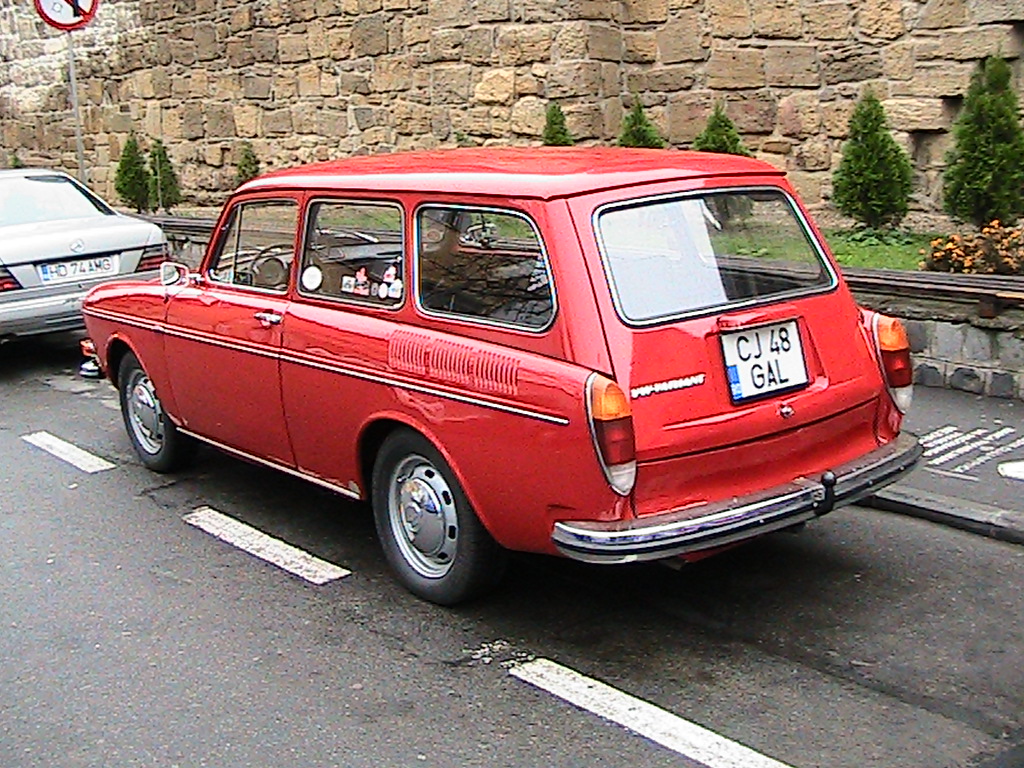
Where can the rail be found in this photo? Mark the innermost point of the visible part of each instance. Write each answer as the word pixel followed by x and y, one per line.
pixel 991 294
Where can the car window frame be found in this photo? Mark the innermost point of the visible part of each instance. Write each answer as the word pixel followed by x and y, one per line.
pixel 351 299
pixel 808 231
pixel 476 319
pixel 222 234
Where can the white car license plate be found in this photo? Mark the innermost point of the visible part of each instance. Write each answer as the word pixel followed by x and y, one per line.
pixel 762 360
pixel 80 269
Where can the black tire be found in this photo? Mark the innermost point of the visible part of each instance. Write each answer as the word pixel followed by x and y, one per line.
pixel 157 441
pixel 432 538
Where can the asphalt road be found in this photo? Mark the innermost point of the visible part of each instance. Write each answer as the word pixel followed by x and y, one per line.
pixel 130 638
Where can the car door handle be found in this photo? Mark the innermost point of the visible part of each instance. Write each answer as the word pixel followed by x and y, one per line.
pixel 268 318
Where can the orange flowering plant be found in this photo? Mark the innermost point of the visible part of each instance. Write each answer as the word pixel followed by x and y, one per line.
pixel 996 250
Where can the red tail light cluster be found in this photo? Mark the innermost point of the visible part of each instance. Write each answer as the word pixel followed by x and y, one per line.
pixel 7 281
pixel 152 257
pixel 893 349
pixel 611 424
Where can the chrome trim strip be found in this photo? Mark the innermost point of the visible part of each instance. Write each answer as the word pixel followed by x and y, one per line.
pixel 677 532
pixel 560 420
pixel 323 366
pixel 273 465
pixel 106 314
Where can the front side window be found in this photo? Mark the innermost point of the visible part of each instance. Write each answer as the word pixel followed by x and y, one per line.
pixel 673 257
pixel 483 264
pixel 259 246
pixel 354 251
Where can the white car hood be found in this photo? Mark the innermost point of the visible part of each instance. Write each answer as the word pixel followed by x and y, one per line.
pixel 74 238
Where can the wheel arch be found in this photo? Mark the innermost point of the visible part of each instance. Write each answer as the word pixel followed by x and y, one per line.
pixel 376 431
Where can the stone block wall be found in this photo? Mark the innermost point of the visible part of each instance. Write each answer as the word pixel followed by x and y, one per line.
pixel 953 346
pixel 307 80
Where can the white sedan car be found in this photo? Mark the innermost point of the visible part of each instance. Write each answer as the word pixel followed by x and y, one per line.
pixel 57 240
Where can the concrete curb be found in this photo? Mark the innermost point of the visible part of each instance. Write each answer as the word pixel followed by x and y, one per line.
pixel 994 522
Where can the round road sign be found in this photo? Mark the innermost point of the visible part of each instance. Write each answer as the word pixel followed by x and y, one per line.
pixel 67 14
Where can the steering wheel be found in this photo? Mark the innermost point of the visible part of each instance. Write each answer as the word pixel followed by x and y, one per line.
pixel 269 269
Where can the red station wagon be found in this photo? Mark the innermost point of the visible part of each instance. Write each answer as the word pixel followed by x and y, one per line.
pixel 611 354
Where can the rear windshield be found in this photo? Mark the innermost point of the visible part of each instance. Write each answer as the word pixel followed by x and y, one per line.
pixel 690 255
pixel 45 197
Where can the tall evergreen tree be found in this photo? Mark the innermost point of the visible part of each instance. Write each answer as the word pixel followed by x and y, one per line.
pixel 638 130
pixel 132 179
pixel 873 181
pixel 556 133
pixel 985 169
pixel 720 135
pixel 164 191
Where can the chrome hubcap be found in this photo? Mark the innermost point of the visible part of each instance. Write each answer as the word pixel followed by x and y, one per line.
pixel 421 510
pixel 144 414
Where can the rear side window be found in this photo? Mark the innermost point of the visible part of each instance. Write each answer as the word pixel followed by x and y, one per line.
pixel 668 258
pixel 353 251
pixel 483 264
pixel 259 246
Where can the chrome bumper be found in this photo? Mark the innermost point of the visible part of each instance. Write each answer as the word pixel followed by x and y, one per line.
pixel 737 519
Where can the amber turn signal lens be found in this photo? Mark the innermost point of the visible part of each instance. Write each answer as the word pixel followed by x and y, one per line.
pixel 607 401
pixel 892 336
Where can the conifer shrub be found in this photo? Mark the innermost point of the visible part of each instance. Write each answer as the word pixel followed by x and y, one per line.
pixel 985 169
pixel 248 164
pixel 132 179
pixel 15 161
pixel 638 130
pixel 873 181
pixel 164 191
pixel 720 135
pixel 556 133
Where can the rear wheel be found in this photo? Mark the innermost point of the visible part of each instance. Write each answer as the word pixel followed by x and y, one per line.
pixel 431 536
pixel 156 439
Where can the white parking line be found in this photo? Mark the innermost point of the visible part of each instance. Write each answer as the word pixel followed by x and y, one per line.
pixel 64 450
pixel 274 551
pixel 688 739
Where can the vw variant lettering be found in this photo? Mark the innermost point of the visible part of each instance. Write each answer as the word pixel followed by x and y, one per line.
pixel 612 355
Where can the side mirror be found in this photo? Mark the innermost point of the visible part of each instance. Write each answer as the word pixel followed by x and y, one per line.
pixel 172 273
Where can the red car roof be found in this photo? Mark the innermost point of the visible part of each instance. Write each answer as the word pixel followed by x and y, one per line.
pixel 541 172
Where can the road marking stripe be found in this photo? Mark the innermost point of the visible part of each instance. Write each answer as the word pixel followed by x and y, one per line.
pixel 993 454
pixel 687 739
pixel 946 445
pixel 255 542
pixel 951 473
pixel 64 450
pixel 982 444
pixel 935 434
pixel 1012 469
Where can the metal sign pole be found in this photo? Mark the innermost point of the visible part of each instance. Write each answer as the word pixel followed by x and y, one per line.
pixel 83 174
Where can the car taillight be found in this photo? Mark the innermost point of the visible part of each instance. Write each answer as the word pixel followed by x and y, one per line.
pixel 894 358
pixel 7 281
pixel 152 257
pixel 611 425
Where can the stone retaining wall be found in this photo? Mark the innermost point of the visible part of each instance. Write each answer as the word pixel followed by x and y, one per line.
pixel 307 80
pixel 953 347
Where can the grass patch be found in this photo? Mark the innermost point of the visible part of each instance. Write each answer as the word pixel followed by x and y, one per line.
pixel 890 250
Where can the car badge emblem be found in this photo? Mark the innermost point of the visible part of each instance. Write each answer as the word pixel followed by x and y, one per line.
pixel 786 410
pixel 77 246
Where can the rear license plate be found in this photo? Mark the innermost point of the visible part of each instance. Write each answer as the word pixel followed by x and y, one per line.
pixel 80 269
pixel 763 360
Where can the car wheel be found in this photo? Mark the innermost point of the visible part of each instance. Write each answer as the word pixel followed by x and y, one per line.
pixel 431 536
pixel 156 439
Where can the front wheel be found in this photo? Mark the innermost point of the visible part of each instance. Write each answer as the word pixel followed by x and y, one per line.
pixel 431 536
pixel 156 439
